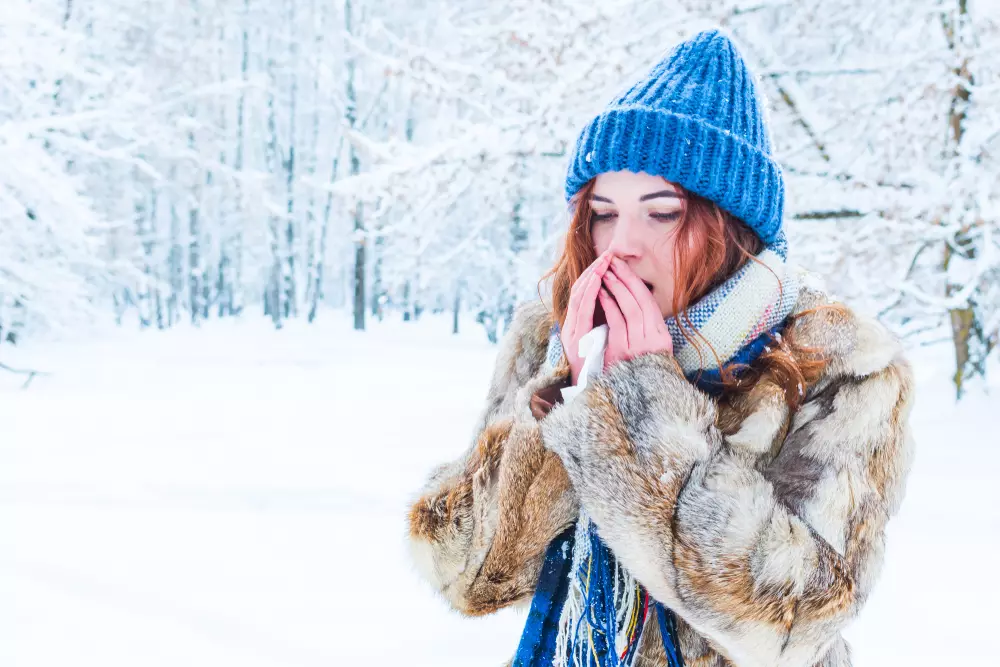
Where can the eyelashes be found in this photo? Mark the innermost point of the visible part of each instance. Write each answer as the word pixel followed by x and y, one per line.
pixel 598 217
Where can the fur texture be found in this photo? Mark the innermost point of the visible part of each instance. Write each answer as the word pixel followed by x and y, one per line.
pixel 764 532
pixel 479 530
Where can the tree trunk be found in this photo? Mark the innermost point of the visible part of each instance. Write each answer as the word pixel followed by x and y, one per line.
pixel 143 216
pixel 963 318
pixel 407 315
pixel 153 273
pixel 311 220
pixel 289 295
pixel 317 290
pixel 359 228
pixel 194 248
pixel 175 261
pixel 272 294
pixel 235 244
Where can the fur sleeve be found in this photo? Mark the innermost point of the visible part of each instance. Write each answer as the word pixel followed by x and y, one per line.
pixel 767 564
pixel 479 528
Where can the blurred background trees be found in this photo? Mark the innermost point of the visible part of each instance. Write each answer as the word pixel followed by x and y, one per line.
pixel 178 162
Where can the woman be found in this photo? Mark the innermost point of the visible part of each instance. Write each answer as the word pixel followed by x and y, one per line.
pixel 708 478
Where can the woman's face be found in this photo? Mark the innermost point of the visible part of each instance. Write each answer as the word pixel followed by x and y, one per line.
pixel 637 217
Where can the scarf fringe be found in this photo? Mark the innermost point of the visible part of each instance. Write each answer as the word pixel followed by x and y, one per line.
pixel 601 622
pixel 573 609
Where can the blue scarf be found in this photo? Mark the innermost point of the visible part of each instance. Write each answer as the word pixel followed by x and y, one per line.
pixel 739 319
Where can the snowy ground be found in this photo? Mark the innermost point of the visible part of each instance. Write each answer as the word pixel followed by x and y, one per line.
pixel 237 496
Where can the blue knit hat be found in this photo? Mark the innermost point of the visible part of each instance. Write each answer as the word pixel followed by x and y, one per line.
pixel 695 120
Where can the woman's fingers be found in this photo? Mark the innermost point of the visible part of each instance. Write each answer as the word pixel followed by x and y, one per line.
pixel 580 311
pixel 573 307
pixel 587 303
pixel 598 266
pixel 630 309
pixel 617 329
pixel 652 317
pixel 580 287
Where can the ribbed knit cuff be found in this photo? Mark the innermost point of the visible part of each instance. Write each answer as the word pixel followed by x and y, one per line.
pixel 703 159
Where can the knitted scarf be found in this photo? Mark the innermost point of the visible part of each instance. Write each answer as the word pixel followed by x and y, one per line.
pixel 588 611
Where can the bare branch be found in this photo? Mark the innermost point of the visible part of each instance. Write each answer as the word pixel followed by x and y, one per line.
pixel 29 372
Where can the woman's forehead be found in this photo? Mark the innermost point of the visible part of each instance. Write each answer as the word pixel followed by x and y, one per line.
pixel 630 185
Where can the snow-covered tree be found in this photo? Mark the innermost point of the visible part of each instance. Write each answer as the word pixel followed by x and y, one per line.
pixel 214 158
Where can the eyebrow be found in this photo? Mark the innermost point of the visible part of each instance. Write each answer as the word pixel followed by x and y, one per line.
pixel 651 195
pixel 661 193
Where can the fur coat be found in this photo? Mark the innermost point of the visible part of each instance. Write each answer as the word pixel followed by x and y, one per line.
pixel 763 530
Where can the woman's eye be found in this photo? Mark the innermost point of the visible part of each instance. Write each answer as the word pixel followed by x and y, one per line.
pixel 666 216
pixel 597 217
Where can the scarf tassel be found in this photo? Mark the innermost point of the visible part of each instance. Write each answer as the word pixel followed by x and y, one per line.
pixel 586 606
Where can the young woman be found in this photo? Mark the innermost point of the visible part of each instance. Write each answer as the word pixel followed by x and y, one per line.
pixel 707 479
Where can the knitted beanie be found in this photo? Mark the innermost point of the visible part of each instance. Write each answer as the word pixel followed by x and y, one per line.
pixel 695 120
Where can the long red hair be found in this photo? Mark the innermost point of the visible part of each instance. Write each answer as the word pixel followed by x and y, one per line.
pixel 712 245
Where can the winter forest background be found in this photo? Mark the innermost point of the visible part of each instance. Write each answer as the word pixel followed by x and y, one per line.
pixel 255 255
pixel 177 162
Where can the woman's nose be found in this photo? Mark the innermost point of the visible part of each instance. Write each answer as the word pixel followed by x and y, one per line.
pixel 626 240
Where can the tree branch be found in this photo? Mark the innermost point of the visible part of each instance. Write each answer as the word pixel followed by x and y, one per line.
pixel 29 372
pixel 827 215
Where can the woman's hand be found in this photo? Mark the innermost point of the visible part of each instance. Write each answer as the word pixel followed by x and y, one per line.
pixel 635 324
pixel 580 312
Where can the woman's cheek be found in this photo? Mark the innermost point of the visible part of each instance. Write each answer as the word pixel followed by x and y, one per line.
pixel 600 241
pixel 664 267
